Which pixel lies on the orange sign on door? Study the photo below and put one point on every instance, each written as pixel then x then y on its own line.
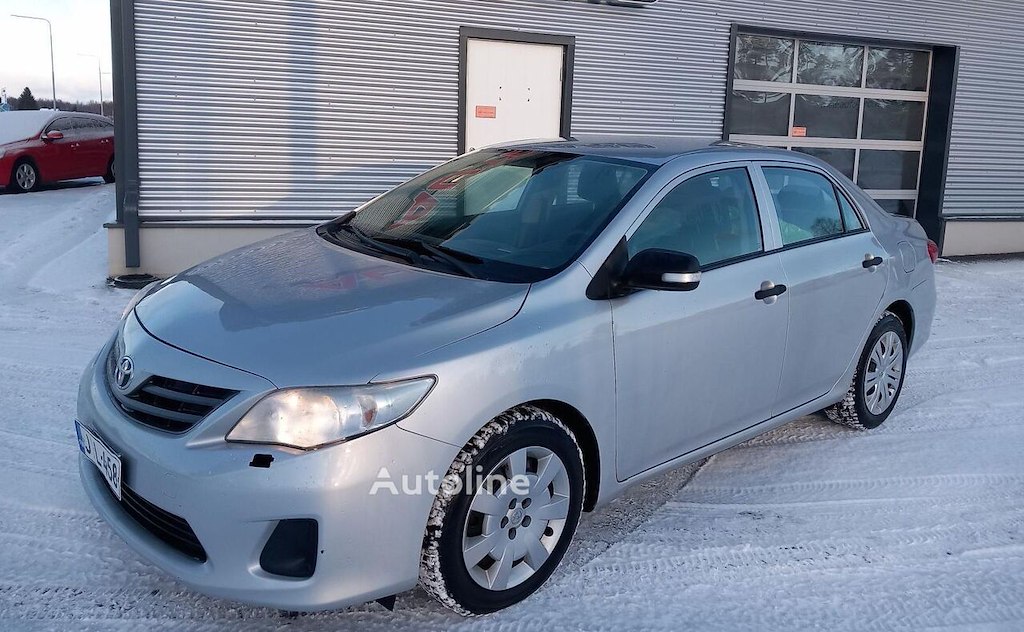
pixel 799 131
pixel 486 111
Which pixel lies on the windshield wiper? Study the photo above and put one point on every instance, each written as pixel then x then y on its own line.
pixel 447 255
pixel 454 258
pixel 378 244
pixel 405 248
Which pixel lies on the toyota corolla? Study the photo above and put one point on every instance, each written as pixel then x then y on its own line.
pixel 434 387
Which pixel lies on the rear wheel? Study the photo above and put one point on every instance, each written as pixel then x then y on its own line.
pixel 493 541
pixel 879 378
pixel 25 177
pixel 108 177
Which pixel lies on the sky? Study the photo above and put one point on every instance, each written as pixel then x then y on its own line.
pixel 79 27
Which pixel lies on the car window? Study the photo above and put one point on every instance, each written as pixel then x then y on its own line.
pixel 60 125
pixel 806 204
pixel 712 216
pixel 851 221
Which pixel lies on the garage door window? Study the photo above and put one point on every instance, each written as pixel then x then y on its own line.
pixel 859 107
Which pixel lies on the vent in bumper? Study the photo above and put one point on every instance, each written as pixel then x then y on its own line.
pixel 164 403
pixel 171 529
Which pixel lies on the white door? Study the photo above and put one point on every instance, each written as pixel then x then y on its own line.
pixel 513 91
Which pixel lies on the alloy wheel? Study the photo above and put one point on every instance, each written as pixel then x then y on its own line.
pixel 516 518
pixel 25 176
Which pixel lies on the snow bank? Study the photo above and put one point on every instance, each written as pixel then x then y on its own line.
pixel 916 525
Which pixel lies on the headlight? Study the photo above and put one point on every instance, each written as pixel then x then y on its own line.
pixel 308 418
pixel 141 294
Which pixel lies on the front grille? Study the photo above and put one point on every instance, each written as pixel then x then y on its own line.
pixel 171 529
pixel 167 404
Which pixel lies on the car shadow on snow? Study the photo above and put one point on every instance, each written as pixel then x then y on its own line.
pixel 56 186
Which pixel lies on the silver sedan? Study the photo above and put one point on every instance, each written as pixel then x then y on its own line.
pixel 434 387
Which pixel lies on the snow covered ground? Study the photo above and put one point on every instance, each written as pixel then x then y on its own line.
pixel 918 525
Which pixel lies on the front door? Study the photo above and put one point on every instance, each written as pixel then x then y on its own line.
pixel 513 91
pixel 835 281
pixel 58 159
pixel 695 367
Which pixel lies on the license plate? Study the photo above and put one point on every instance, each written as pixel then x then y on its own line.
pixel 108 462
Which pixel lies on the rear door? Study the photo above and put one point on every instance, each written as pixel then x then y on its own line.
pixel 694 367
pixel 91 158
pixel 836 273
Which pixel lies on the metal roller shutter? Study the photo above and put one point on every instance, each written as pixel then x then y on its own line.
pixel 304 109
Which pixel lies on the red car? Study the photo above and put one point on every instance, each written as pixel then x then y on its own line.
pixel 39 146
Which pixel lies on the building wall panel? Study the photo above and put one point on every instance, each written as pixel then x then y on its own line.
pixel 307 108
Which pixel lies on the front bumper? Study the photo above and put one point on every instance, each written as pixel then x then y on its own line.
pixel 368 543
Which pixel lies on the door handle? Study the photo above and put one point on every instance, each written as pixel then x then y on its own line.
pixel 870 262
pixel 769 292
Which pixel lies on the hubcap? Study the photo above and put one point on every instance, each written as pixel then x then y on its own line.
pixel 883 373
pixel 25 176
pixel 508 535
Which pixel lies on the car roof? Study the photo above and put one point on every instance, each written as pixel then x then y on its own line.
pixel 20 124
pixel 655 150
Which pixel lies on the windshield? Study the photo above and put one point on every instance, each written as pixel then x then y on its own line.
pixel 505 215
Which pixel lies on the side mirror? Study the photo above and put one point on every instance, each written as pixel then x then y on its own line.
pixel 53 135
pixel 657 269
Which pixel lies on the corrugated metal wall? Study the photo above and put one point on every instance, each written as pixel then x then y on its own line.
pixel 306 108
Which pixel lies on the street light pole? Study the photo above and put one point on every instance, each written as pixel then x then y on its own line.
pixel 99 75
pixel 53 74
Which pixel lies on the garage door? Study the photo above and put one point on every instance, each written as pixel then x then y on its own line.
pixel 859 107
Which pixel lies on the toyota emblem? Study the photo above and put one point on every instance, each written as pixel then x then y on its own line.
pixel 123 372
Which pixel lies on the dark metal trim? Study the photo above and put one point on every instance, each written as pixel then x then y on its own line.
pixel 748 29
pixel 126 126
pixel 937 134
pixel 467 33
pixel 982 218
pixel 730 70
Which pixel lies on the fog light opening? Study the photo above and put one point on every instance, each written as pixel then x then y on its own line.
pixel 291 550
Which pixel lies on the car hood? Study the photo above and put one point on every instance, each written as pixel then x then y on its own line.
pixel 299 311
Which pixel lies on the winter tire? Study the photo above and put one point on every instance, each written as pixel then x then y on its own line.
pixel 494 541
pixel 108 177
pixel 24 177
pixel 879 378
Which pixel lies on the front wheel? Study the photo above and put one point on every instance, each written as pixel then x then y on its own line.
pixel 25 177
pixel 505 514
pixel 879 378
